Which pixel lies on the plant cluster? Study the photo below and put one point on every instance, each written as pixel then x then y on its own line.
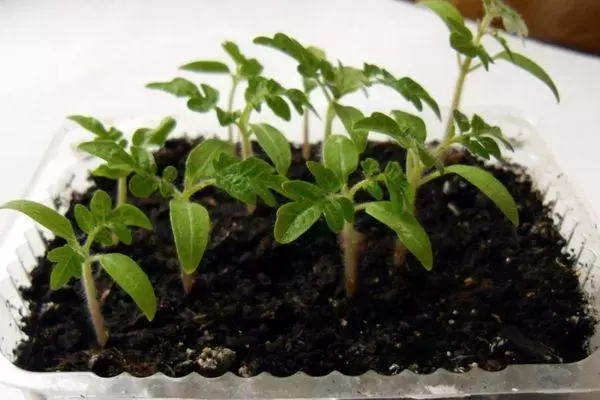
pixel 331 194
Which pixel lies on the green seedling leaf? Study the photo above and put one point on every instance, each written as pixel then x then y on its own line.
pixel 340 156
pixel 101 204
pixel 166 189
pixel 142 186
pixel 144 159
pixel 179 87
pixel 121 231
pixel 347 80
pixel 374 190
pixel 244 180
pixel 307 59
pixel 294 219
pixel 274 143
pixel 200 103
pixel 104 237
pixel 325 177
pixel 191 228
pixel 349 116
pixel 170 174
pixel 347 208
pixel 462 121
pixel 525 63
pixel 85 219
pixel 67 264
pixel 234 52
pixel 110 173
pixel 91 124
pixel 139 136
pixel 44 216
pixel 300 190
pixel 250 68
pixel 206 67
pixel 402 195
pixel 474 146
pixel 491 147
pixel 199 164
pixel 379 122
pixel 461 40
pixel 444 9
pixel 299 101
pixel 279 107
pixel 227 118
pixel 408 229
pixel 130 215
pixel 110 152
pixel 489 186
pixel 411 125
pixel 334 214
pixel 370 167
pixel 158 136
pixel 428 158
pixel 130 277
pixel 415 93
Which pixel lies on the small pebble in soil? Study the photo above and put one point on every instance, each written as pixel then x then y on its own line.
pixel 215 361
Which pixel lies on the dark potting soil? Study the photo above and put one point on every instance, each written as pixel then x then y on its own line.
pixel 497 295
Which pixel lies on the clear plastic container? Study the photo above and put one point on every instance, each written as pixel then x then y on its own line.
pixel 576 220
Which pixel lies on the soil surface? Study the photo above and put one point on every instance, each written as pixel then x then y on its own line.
pixel 497 295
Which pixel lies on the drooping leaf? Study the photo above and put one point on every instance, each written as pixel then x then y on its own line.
pixel 158 136
pixel 67 264
pixel 340 156
pixel 190 223
pixel 525 63
pixel 325 177
pixel 205 101
pixel 334 214
pixel 179 87
pixel 84 218
pixel 101 204
pixel 142 186
pixel 370 167
pixel 415 93
pixel 234 52
pixel 130 277
pixel 279 107
pixel 489 186
pixel 91 124
pixel 408 229
pixel 294 219
pixel 347 80
pixel 410 124
pixel 206 66
pixel 349 116
pixel 462 121
pixel 379 122
pixel 130 215
pixel 444 9
pixel 299 190
pixel 199 163
pixel 44 216
pixel 299 101
pixel 110 152
pixel 274 143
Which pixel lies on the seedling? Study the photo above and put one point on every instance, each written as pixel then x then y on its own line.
pixel 260 91
pixel 469 47
pixel 245 68
pixel 76 258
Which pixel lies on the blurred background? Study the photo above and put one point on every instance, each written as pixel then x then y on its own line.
pixel 573 24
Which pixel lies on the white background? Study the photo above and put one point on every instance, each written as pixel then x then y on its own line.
pixel 93 57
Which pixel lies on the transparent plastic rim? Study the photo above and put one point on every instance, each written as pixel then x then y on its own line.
pixel 576 220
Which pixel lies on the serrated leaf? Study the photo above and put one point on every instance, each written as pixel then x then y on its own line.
pixel 410 124
pixel 158 136
pixel 381 123
pixel 284 43
pixel 299 101
pixel 347 80
pixel 227 118
pixel 190 223
pixel 206 67
pixel 110 152
pixel 106 172
pixel 44 216
pixel 428 158
pixel 170 174
pixel 525 63
pixel 203 103
pixel 294 219
pixel 247 179
pixel 142 186
pixel 130 277
pixel 144 159
pixel 340 156
pixel 349 116
pixel 199 163
pixel 374 190
pixel 234 52
pixel 490 146
pixel 121 231
pixel 408 229
pixel 251 67
pixel 130 215
pixel 489 186
pixel 104 237
pixel 402 195
pixel 462 121
pixel 334 215
pixel 67 264
pixel 325 177
pixel 300 190
pixel 474 146
pixel 274 143
pixel 279 107
pixel 166 189
pixel 101 204
pixel 179 87
pixel 416 94
pixel 370 167
pixel 89 123
pixel 84 218
pixel 444 9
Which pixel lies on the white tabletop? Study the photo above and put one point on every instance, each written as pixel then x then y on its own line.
pixel 94 57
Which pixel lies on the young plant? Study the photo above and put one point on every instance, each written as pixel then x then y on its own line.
pixel 76 258
pixel 245 68
pixel 469 47
pixel 111 140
